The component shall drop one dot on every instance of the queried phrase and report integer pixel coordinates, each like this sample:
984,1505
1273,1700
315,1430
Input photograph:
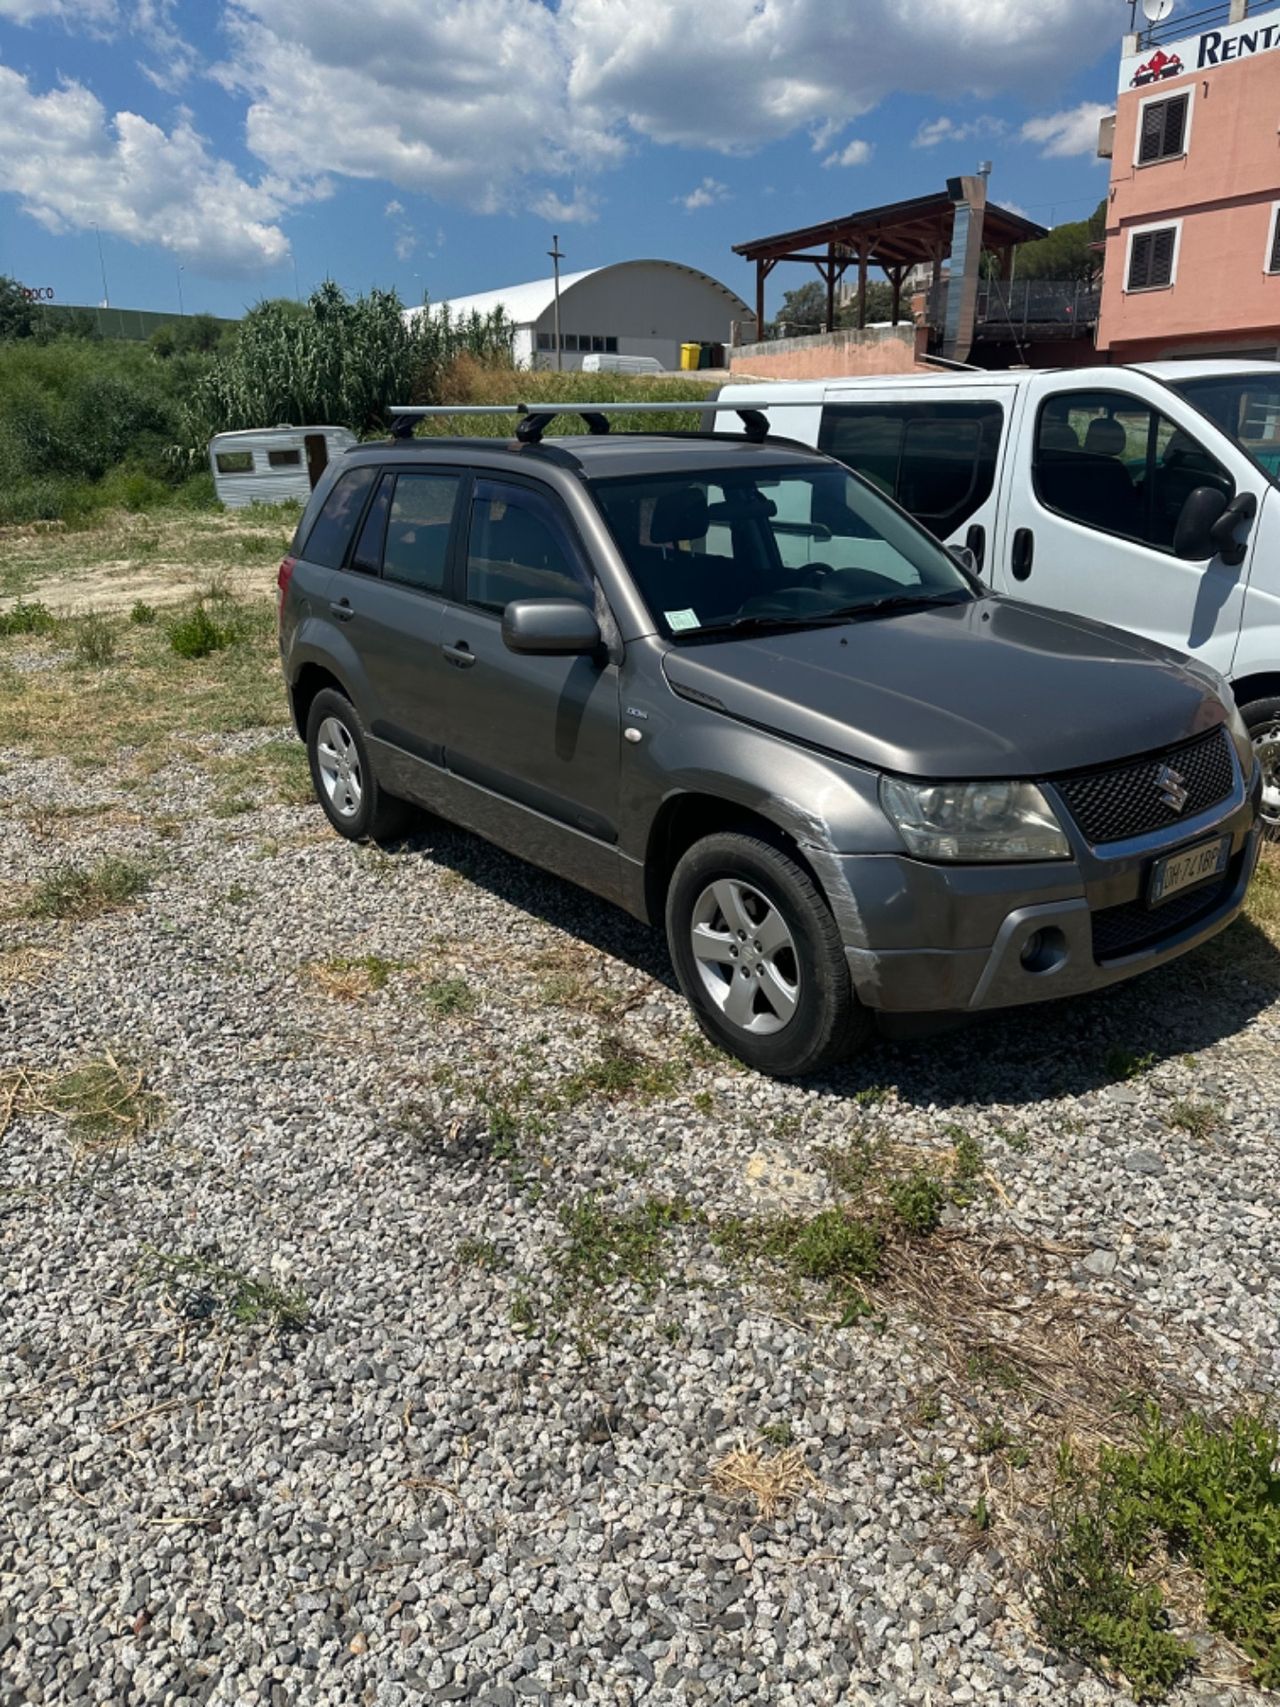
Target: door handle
1024,551
976,540
341,608
460,654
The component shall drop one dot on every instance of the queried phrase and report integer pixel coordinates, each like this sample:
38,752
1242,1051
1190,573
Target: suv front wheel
354,802
759,958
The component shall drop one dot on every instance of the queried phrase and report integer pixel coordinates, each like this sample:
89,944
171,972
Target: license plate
1176,872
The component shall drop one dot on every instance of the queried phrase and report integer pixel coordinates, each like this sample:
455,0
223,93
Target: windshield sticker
678,619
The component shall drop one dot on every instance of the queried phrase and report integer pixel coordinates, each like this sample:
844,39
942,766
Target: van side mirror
1207,526
554,627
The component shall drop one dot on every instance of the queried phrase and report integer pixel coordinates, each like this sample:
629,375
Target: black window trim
343,474
450,472
539,488
1164,104
1272,266
1131,398
1151,233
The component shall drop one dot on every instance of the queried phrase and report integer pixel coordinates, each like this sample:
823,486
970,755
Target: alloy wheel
746,956
339,762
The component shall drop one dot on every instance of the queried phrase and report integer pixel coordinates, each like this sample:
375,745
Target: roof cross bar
535,418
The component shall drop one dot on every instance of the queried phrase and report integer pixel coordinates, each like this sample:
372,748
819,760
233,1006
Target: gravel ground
459,1481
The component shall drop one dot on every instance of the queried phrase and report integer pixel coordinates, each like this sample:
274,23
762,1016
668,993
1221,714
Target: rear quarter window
330,534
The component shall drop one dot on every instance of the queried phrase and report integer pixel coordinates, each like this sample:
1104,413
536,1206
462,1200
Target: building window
545,341
1273,247
284,458
1162,129
1153,257
611,346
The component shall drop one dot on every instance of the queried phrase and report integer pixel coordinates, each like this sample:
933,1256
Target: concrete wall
831,355
1224,190
651,307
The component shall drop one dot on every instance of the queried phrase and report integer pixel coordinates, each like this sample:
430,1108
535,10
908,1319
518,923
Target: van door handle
1024,551
460,654
341,608
976,540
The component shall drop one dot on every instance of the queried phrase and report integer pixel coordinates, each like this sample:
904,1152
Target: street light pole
181,310
556,258
106,294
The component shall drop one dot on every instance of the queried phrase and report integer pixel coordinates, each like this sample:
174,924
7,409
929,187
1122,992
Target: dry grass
25,964
104,1102
352,978
771,1481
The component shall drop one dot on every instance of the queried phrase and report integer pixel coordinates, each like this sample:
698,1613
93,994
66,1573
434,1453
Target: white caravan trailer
266,465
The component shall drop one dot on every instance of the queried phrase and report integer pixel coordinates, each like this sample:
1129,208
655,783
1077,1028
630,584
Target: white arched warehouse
632,308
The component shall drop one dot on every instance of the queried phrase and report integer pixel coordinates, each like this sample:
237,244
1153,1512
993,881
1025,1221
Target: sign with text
1200,53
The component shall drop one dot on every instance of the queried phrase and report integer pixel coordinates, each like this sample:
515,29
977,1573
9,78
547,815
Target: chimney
970,196
1239,11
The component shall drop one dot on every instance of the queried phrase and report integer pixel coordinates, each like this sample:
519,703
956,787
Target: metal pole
556,258
106,294
181,309
297,289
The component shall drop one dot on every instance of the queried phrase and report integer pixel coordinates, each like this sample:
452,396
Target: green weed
204,1289
69,892
605,1248
918,1201
449,997
95,641
24,618
1123,1064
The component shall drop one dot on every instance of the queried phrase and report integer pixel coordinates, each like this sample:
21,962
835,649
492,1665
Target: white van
1143,496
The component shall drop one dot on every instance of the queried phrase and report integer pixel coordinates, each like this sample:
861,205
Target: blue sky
436,144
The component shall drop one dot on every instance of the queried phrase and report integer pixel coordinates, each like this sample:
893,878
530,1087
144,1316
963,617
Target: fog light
1044,951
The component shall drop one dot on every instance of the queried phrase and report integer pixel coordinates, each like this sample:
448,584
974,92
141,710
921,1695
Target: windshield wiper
827,618
898,602
751,624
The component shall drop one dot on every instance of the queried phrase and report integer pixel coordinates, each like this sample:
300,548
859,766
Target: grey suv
728,685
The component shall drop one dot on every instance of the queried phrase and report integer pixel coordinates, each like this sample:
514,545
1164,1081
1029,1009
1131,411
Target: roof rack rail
535,418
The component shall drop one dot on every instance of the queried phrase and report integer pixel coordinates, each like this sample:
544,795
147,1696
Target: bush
142,615
24,618
95,640
197,634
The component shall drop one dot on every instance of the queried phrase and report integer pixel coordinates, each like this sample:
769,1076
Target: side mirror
1208,523
966,559
555,627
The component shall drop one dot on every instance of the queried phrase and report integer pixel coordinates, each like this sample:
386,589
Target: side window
419,529
1111,462
938,460
367,556
284,458
519,548
332,530
235,462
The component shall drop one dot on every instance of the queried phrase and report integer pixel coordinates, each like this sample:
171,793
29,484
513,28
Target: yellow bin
689,357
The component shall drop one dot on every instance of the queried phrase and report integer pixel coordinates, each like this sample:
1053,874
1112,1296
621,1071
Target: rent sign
1200,53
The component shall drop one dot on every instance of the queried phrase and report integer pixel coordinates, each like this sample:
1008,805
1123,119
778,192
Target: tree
1065,253
198,334
19,317
804,310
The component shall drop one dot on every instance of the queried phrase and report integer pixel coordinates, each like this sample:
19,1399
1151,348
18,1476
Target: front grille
1125,800
1135,926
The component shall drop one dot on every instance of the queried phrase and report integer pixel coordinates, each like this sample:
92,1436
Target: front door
539,733
1102,475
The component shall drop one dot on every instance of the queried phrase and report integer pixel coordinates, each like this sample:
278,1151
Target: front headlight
974,820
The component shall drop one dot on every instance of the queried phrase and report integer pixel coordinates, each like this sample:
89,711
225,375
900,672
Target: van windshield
1247,408
772,547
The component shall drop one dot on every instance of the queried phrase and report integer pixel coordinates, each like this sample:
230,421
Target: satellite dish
1156,11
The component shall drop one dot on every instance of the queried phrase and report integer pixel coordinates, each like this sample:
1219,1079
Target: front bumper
979,922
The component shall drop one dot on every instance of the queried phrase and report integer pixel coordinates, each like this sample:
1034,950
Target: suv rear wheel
354,802
759,958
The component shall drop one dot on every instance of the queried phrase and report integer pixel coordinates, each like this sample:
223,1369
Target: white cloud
393,209
175,60
854,153
72,164
405,244
578,209
934,131
1074,131
64,11
705,194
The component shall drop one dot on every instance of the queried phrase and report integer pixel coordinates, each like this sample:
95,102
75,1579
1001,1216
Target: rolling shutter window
1164,130
1274,267
1151,259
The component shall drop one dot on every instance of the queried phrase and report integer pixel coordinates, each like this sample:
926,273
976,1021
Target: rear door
1103,470
390,595
541,733
941,457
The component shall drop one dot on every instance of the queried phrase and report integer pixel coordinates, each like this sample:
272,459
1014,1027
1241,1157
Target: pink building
1193,245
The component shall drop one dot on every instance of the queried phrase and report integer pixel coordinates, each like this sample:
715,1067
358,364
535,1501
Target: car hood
993,688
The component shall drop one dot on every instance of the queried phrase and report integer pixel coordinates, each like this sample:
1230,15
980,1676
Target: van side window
1111,462
519,549
332,529
419,530
938,460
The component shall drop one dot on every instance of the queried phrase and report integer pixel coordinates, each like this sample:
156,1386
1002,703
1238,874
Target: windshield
1247,408
771,547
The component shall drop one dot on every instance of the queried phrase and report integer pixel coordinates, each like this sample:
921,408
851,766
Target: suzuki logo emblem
1172,786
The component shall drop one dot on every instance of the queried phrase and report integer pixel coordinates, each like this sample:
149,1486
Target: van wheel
1263,719
758,956
354,801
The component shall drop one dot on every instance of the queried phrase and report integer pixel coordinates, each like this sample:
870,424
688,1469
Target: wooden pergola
895,238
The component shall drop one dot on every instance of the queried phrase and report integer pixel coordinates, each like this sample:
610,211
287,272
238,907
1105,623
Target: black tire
1263,719
368,811
828,1023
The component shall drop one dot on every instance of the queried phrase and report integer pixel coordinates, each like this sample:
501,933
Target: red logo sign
1157,68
